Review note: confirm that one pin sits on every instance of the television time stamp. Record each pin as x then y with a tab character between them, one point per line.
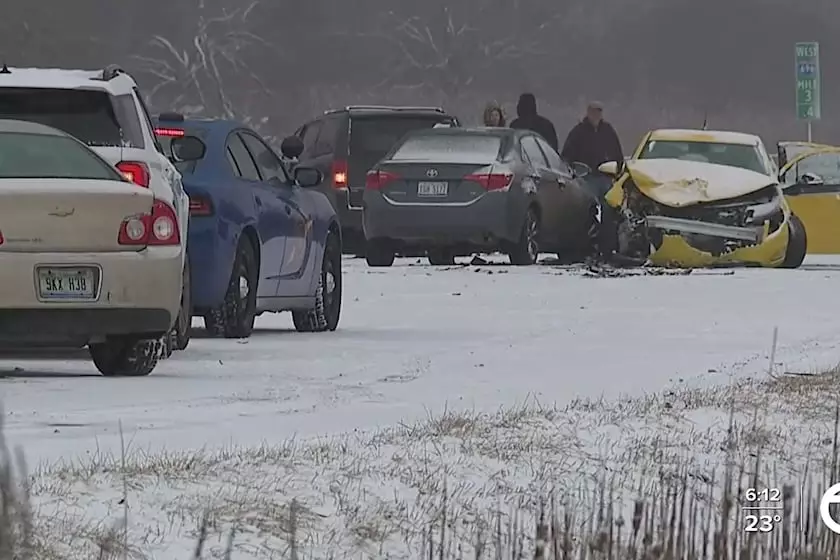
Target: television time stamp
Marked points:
762	508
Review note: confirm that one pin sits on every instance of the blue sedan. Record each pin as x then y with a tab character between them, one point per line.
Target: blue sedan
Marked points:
260	238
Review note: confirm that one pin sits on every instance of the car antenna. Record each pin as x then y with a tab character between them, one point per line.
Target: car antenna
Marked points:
705	120
5	69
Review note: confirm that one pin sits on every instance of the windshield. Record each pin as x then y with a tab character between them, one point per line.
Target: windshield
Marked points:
733	155
41	156
449	148
92	116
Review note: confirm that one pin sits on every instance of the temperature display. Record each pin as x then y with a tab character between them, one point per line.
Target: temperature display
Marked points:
760	523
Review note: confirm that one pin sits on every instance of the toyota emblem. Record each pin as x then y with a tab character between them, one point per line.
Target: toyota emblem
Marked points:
432	173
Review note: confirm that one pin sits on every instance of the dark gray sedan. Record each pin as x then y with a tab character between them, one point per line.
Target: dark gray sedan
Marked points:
457	191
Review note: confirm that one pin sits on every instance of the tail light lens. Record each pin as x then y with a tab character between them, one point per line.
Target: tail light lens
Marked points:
200	206
375	180
158	228
492	181
339	174
135	171
170	132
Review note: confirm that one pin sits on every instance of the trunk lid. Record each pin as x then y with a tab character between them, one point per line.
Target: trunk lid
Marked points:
434	183
679	183
67	215
373	136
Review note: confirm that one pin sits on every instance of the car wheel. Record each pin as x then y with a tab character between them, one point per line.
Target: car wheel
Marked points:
181	332
441	257
327	311
526	250
239	309
126	356
379	253
797	246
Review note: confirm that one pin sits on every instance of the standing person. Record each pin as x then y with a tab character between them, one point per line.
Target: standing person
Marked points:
529	119
593	141
493	115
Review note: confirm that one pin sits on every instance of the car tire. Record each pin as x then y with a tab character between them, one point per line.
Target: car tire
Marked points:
526	250
327	311
236	316
797	246
379	253
440	257
183	324
213	323
126	356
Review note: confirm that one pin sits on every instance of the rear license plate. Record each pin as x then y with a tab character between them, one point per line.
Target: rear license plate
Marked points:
65	284
432	188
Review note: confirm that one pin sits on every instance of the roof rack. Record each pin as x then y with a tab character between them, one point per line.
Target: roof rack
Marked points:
383	108
111	71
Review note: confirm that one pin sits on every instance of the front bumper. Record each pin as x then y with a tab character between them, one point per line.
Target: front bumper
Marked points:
767	250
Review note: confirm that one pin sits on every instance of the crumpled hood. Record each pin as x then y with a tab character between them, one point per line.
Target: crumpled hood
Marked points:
678	183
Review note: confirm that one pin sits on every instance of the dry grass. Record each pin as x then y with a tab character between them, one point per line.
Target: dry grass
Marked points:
658	477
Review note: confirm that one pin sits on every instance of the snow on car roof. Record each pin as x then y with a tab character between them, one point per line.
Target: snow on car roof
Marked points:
62	79
689	135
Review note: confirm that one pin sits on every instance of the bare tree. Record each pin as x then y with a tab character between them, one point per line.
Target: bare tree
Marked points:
452	46
202	66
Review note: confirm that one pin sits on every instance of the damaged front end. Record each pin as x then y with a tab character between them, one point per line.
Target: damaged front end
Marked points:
734	230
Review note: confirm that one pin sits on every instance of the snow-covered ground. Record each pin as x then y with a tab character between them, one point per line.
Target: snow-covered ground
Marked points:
336	411
416	339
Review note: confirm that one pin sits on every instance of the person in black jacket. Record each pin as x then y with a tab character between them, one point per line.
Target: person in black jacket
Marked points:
594	141
529	119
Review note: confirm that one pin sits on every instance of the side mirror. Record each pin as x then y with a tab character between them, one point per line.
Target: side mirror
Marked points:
810	179
308	176
609	168
187	148
580	169
291	147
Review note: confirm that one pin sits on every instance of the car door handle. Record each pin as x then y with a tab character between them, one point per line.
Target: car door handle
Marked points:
288	210
259	200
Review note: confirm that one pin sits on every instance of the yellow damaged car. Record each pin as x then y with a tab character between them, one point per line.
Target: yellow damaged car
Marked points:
698	198
810	178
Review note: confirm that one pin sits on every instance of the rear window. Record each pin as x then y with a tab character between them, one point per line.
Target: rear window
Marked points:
166	132
377	135
89	115
39	156
449	148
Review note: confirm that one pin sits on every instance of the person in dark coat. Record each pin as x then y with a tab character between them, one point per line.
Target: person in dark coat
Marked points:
529	119
593	140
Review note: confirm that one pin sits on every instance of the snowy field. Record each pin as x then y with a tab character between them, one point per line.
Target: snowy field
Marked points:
543	357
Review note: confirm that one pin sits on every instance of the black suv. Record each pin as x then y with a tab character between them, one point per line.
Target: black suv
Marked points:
345	143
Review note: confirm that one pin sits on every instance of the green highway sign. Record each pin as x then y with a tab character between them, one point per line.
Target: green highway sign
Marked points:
808	105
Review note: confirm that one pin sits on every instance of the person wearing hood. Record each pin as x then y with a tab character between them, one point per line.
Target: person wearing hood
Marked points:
493	115
529	119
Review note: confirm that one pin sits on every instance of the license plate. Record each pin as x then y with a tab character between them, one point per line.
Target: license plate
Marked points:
432	188
63	284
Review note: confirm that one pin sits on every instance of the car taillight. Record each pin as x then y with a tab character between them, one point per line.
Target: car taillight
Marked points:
171	132
339	174
375	180
200	206
491	181
135	171
158	228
